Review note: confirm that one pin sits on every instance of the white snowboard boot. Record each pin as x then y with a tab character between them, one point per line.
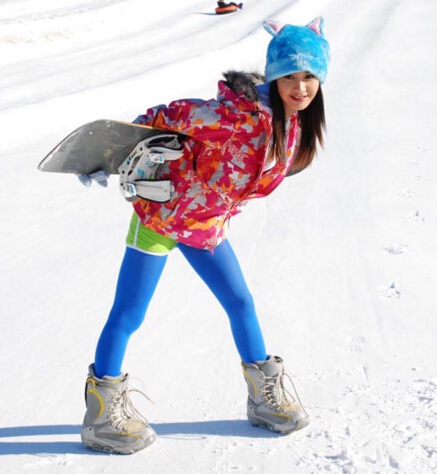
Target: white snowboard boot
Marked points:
267	403
111	423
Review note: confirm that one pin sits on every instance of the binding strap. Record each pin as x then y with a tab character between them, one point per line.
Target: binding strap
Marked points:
138	170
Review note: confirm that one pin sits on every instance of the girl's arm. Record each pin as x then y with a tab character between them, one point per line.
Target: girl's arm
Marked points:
208	122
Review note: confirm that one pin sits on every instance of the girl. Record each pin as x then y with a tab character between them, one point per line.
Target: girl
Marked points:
238	147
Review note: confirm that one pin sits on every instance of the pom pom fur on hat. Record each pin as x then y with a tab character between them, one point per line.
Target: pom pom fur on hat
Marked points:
296	48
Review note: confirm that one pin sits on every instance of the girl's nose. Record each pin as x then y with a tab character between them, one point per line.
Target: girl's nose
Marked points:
300	86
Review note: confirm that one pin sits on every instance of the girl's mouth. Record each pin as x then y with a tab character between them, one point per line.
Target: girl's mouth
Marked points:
300	98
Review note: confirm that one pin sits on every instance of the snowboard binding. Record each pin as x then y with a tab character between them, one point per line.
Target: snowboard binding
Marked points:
138	170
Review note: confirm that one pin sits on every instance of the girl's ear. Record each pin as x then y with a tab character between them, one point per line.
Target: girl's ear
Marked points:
317	26
273	27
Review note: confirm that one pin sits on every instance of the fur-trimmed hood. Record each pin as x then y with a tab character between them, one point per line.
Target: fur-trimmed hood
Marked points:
244	83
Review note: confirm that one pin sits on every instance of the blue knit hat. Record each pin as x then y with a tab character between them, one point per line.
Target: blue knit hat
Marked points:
296	48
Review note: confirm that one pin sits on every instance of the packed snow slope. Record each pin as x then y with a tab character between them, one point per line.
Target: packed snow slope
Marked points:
341	259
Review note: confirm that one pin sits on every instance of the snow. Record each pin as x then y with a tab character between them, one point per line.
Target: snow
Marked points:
341	258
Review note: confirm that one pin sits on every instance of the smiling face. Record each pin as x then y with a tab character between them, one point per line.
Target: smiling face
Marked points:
297	90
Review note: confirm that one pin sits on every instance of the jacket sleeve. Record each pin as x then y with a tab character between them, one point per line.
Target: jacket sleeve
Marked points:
209	122
294	143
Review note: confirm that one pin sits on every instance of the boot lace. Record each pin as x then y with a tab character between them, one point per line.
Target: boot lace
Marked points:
123	411
275	394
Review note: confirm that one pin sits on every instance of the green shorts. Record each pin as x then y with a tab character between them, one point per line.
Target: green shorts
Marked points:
145	240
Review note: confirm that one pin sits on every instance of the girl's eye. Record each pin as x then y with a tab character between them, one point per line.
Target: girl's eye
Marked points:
310	76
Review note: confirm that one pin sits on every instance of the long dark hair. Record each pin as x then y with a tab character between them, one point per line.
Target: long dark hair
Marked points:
311	121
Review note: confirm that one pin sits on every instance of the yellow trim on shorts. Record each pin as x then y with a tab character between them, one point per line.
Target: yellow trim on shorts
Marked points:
146	240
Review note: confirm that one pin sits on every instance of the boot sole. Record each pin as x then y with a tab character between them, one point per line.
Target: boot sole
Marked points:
97	444
299	424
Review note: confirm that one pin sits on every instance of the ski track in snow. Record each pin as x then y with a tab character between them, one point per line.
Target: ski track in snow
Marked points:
28	10
357	322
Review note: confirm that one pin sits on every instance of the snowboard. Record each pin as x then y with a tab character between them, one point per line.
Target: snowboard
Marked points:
104	145
133	151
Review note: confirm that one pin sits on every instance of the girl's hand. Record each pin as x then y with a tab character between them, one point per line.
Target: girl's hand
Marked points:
100	177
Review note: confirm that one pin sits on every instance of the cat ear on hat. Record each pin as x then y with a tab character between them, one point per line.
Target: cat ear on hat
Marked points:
317	25
273	27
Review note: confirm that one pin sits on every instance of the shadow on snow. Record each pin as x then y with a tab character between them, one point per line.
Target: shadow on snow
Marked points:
185	430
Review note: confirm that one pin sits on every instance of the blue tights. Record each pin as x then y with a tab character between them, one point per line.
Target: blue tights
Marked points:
139	275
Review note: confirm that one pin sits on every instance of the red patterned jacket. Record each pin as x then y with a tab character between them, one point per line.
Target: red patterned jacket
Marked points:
222	163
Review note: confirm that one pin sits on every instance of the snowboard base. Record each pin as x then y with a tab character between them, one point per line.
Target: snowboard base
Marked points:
102	145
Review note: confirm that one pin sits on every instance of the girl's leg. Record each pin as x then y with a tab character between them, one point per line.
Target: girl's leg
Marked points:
221	271
139	275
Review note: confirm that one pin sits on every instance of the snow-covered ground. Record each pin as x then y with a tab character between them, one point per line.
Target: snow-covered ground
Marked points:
341	258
